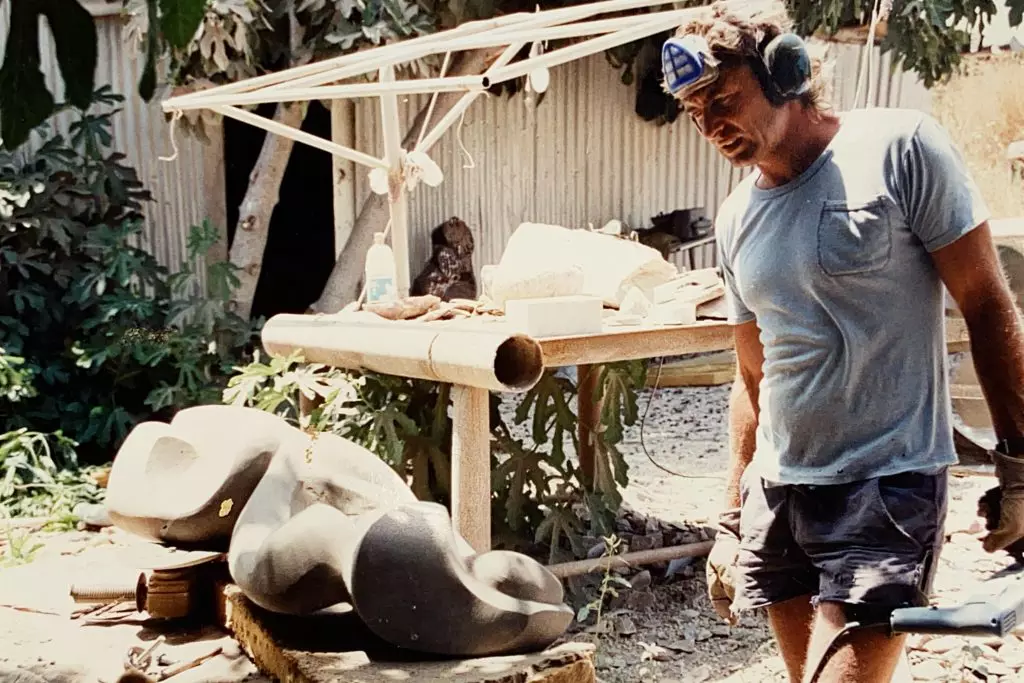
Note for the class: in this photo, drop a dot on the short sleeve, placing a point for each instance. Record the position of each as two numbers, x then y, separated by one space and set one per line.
941 200
736 311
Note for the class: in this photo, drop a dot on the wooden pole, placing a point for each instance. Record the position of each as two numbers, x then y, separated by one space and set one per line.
589 418
397 196
637 559
471 466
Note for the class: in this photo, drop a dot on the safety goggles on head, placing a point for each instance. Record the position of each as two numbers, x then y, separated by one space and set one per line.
687 64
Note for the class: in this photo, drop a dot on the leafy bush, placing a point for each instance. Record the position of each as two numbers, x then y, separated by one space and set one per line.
104 336
538 496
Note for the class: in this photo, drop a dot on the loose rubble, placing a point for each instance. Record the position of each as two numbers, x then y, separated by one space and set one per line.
673 635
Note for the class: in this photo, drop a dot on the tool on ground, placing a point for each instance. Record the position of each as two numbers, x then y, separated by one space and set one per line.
998 615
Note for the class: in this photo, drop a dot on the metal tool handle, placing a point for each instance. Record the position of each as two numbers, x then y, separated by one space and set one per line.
995 616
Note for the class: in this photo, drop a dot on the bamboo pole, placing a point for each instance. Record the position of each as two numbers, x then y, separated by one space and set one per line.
398 198
532 29
300 136
578 51
628 560
561 32
347 90
401 51
414 48
487 359
449 119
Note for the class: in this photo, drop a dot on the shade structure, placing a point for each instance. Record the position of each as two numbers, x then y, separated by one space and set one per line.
330 79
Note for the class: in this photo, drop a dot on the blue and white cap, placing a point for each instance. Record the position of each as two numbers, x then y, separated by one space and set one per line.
687 64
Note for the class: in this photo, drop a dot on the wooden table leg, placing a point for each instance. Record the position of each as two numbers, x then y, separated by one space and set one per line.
589 417
471 465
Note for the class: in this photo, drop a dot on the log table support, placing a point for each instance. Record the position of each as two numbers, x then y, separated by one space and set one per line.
589 411
471 465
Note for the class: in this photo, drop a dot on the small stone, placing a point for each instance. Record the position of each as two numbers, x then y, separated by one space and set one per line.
656 652
916 641
642 543
990 667
596 550
929 670
702 635
686 646
641 580
644 672
721 631
639 602
944 644
700 674
689 614
624 626
678 566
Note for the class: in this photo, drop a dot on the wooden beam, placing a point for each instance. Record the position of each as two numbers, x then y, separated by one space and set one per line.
336 647
471 465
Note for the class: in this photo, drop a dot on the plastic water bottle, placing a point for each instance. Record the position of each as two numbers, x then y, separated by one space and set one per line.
381 275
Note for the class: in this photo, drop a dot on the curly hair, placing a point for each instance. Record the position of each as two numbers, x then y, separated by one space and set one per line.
735 30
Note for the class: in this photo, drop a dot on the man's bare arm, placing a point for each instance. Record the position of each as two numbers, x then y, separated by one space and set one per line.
743 408
971 270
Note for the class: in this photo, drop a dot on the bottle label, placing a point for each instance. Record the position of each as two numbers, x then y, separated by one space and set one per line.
380 289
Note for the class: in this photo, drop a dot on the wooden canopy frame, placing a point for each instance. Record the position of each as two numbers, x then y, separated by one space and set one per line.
319 81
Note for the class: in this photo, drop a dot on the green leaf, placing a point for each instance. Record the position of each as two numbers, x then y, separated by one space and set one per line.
25 101
75 41
1016 12
180 19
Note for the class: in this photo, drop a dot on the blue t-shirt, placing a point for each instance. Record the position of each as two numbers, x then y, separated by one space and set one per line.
835 268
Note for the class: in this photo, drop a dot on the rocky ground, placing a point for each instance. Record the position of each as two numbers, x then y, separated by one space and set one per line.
661 628
665 629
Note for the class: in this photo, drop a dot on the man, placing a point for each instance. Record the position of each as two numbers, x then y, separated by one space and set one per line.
835 250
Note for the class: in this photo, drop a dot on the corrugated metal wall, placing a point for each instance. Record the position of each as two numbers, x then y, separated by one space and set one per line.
583 157
141 132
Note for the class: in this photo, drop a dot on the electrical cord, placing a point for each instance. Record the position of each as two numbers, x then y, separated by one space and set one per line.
643 421
834 644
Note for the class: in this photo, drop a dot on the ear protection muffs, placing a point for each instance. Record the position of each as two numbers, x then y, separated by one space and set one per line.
783 66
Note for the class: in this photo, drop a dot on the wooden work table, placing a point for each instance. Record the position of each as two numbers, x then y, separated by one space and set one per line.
323 339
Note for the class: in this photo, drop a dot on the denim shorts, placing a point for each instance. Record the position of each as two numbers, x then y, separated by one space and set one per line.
872 544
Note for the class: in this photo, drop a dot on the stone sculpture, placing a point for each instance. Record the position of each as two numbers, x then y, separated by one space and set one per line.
313 521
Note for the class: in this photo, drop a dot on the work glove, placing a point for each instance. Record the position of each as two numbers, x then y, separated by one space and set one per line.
721 565
1008 526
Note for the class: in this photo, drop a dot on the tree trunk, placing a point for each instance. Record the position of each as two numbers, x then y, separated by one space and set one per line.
253 229
341 287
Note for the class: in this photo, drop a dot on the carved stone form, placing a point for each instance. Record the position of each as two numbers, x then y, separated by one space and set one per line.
318 521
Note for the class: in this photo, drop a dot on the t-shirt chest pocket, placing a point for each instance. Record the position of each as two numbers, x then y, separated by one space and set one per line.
854 236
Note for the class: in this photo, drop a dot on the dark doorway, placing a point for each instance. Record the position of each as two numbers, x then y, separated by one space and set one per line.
300 248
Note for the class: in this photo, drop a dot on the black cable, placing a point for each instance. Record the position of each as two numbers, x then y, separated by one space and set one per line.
643 421
833 645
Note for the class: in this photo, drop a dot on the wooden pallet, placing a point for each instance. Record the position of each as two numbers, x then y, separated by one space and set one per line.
337 647
703 371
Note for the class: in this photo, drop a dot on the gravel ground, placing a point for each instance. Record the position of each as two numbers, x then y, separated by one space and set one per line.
667 631
662 629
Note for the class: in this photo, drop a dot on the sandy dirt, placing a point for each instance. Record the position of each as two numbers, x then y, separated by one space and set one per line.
661 629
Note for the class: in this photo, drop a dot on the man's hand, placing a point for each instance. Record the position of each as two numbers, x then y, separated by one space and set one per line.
721 565
1010 527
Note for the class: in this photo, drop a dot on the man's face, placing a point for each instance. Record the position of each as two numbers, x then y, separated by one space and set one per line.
736 117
